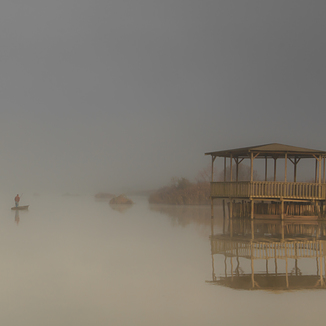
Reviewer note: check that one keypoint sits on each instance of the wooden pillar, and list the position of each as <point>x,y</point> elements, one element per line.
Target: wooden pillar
<point>265,168</point>
<point>225,267</point>
<point>252,268</point>
<point>324,169</point>
<point>231,227</point>
<point>212,208</point>
<point>231,208</point>
<point>316,165</point>
<point>275,158</point>
<point>223,216</point>
<point>231,158</point>
<point>252,209</point>
<point>252,230</point>
<point>282,209</point>
<point>285,167</point>
<point>286,269</point>
<point>237,170</point>
<point>319,164</point>
<point>224,169</point>
<point>321,266</point>
<point>295,170</point>
<point>251,167</point>
<point>212,170</point>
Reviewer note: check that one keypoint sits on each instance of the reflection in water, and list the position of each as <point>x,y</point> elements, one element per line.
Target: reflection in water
<point>182,215</point>
<point>268,255</point>
<point>17,217</point>
<point>120,207</point>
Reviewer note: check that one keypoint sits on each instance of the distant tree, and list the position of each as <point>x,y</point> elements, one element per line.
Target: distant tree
<point>205,175</point>
<point>182,192</point>
<point>243,173</point>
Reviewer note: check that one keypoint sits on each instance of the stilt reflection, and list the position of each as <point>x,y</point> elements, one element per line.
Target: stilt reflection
<point>269,255</point>
<point>17,217</point>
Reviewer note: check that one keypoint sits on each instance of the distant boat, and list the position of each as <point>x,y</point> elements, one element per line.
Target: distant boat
<point>20,207</point>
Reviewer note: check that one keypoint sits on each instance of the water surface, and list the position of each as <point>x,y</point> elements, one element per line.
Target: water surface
<point>71,260</point>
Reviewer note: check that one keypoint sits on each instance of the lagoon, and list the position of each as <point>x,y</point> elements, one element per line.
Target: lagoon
<point>71,260</point>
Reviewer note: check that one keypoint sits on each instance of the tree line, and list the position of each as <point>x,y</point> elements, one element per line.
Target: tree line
<point>181,191</point>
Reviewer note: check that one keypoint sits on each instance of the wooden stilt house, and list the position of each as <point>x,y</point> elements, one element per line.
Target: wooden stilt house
<point>285,193</point>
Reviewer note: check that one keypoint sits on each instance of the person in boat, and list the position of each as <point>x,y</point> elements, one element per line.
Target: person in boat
<point>17,199</point>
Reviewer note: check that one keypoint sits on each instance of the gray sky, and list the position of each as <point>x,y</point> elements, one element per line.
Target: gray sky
<point>111,95</point>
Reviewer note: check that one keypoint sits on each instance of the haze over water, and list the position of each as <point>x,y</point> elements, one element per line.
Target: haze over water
<point>71,260</point>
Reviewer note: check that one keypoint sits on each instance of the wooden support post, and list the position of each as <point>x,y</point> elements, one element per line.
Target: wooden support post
<point>223,216</point>
<point>295,170</point>
<point>252,268</point>
<point>231,268</point>
<point>324,169</point>
<point>321,266</point>
<point>251,167</point>
<point>252,209</point>
<point>282,209</point>
<point>316,170</point>
<point>224,169</point>
<point>231,228</point>
<point>324,268</point>
<point>252,229</point>
<point>212,208</point>
<point>231,159</point>
<point>286,269</point>
<point>237,170</point>
<point>319,164</point>
<point>275,158</point>
<point>285,166</point>
<point>265,168</point>
<point>231,208</point>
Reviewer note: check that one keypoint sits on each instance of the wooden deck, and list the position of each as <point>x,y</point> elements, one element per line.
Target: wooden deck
<point>269,190</point>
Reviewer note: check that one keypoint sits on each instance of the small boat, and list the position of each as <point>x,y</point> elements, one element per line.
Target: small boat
<point>20,207</point>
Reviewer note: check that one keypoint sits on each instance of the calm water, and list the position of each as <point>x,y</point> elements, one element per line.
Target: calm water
<point>74,261</point>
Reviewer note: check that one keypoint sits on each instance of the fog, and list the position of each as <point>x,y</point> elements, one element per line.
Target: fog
<point>117,95</point>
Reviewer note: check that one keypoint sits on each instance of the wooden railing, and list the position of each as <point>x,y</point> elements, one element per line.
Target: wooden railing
<point>266,250</point>
<point>269,189</point>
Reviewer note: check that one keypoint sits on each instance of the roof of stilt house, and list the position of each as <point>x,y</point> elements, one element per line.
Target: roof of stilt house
<point>269,150</point>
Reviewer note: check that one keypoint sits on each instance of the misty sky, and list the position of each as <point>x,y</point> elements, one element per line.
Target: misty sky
<point>110,95</point>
